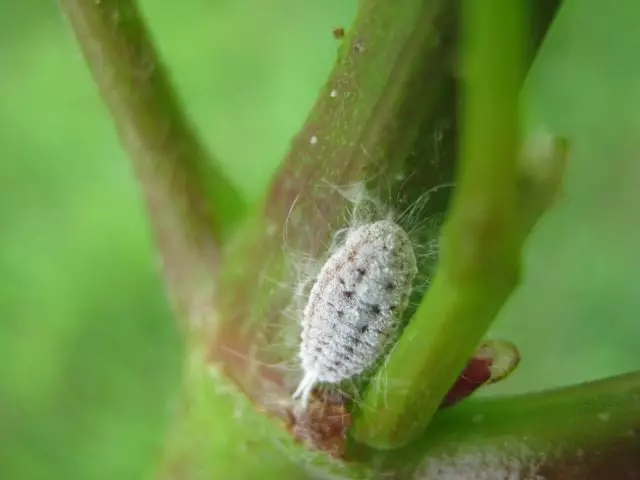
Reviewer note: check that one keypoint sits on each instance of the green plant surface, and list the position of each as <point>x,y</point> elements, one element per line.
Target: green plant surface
<point>81,304</point>
<point>557,433</point>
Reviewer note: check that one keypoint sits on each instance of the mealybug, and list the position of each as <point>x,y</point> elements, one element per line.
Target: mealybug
<point>356,303</point>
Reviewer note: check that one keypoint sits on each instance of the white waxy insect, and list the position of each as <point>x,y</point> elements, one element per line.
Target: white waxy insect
<point>356,304</point>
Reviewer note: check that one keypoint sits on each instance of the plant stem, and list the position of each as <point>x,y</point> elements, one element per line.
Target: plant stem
<point>479,263</point>
<point>191,204</point>
<point>586,431</point>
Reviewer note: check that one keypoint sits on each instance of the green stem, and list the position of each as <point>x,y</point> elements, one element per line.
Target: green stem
<point>479,264</point>
<point>191,204</point>
<point>582,431</point>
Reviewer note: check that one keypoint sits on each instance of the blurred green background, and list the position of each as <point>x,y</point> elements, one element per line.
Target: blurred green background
<point>90,355</point>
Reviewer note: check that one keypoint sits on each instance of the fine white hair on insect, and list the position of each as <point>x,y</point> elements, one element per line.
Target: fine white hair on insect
<point>335,352</point>
<point>355,304</point>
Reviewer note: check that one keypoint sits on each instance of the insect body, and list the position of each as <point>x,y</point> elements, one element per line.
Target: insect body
<point>356,303</point>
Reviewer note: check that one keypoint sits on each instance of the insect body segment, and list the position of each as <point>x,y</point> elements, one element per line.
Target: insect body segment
<point>356,303</point>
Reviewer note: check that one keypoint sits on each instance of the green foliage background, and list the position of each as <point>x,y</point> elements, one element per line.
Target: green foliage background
<point>90,355</point>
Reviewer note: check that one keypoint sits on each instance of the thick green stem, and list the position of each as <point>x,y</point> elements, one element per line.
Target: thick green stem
<point>480,257</point>
<point>190,203</point>
<point>586,431</point>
